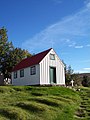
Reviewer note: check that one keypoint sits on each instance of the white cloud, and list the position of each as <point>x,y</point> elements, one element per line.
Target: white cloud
<point>86,68</point>
<point>87,3</point>
<point>83,70</point>
<point>79,46</point>
<point>72,44</point>
<point>67,40</point>
<point>88,45</point>
<point>65,32</point>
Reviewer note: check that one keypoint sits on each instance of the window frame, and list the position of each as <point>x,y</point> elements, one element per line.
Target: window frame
<point>33,70</point>
<point>52,56</point>
<point>15,74</point>
<point>22,73</point>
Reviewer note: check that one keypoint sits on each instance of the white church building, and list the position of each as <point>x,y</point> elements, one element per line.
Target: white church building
<point>44,68</point>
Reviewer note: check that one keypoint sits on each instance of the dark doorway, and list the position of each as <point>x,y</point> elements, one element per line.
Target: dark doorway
<point>52,75</point>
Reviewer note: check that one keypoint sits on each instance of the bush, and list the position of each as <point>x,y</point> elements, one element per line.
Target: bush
<point>86,81</point>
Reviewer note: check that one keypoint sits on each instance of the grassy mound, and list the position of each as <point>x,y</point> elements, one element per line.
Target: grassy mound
<point>13,113</point>
<point>31,106</point>
<point>38,103</point>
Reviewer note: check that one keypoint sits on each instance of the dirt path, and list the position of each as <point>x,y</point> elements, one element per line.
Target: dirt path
<point>83,113</point>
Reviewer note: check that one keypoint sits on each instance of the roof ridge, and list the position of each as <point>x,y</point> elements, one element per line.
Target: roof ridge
<point>33,60</point>
<point>42,52</point>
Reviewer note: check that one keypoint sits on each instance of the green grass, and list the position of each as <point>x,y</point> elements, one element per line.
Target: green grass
<point>83,111</point>
<point>40,103</point>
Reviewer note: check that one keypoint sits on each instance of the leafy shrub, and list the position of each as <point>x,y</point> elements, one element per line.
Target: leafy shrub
<point>86,81</point>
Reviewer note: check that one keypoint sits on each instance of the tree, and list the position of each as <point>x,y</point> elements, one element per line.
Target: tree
<point>5,48</point>
<point>69,72</point>
<point>86,81</point>
<point>17,55</point>
<point>69,75</point>
<point>76,79</point>
<point>9,56</point>
<point>14,57</point>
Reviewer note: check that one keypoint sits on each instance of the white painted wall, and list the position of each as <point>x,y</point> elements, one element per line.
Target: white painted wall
<point>27,79</point>
<point>42,75</point>
<point>44,69</point>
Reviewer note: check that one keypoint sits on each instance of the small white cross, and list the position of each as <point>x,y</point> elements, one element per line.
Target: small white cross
<point>72,82</point>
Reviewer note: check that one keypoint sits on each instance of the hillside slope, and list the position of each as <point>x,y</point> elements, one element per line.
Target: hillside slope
<point>83,112</point>
<point>38,103</point>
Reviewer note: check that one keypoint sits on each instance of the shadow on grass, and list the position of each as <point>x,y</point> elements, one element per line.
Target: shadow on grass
<point>18,89</point>
<point>61,99</point>
<point>37,94</point>
<point>12,114</point>
<point>49,102</point>
<point>33,107</point>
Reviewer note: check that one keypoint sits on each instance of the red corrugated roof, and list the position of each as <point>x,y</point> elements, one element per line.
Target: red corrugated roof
<point>31,60</point>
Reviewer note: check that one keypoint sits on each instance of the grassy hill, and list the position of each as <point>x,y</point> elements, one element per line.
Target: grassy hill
<point>83,112</point>
<point>38,103</point>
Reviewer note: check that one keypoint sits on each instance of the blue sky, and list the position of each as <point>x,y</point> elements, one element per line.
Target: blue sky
<point>37,25</point>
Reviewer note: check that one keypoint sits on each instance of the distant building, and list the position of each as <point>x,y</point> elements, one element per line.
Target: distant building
<point>44,68</point>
